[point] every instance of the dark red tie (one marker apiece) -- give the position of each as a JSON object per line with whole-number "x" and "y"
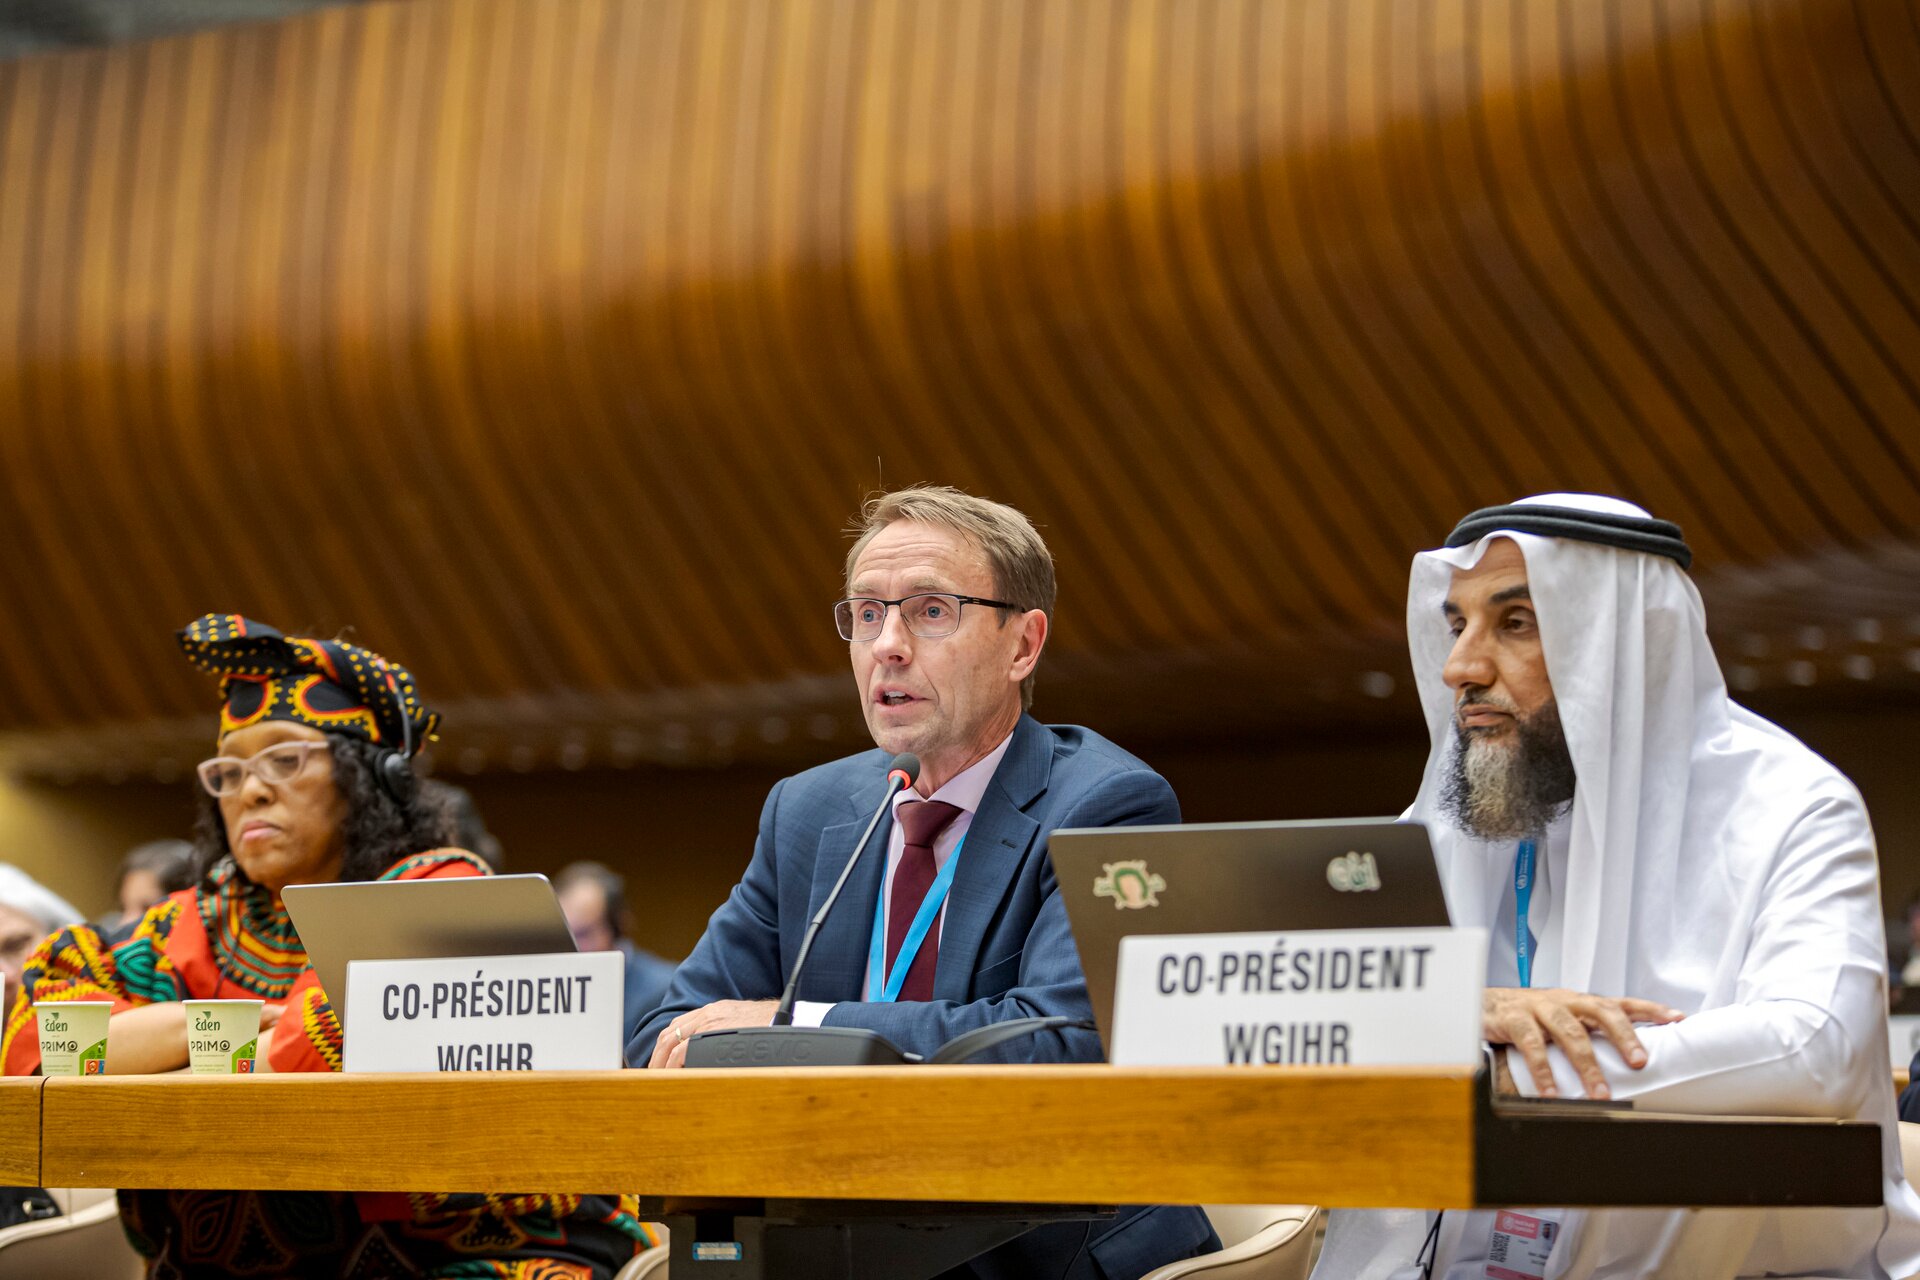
{"x": 921, "y": 821}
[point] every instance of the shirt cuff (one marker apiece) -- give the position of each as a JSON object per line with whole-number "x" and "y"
{"x": 810, "y": 1013}
{"x": 1565, "y": 1078}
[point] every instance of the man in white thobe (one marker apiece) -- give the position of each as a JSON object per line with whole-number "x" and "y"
{"x": 1683, "y": 899}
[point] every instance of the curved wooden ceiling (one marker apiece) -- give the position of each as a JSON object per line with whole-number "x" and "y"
{"x": 549, "y": 345}
{"x": 29, "y": 27}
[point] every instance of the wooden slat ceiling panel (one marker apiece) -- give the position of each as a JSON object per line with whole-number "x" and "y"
{"x": 549, "y": 344}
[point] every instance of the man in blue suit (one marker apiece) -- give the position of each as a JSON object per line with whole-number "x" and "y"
{"x": 960, "y": 924}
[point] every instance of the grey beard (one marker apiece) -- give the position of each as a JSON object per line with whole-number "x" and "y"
{"x": 1497, "y": 792}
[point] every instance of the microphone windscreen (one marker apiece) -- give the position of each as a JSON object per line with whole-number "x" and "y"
{"x": 908, "y": 764}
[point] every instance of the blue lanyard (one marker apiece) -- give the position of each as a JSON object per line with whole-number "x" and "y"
{"x": 1522, "y": 898}
{"x": 916, "y": 934}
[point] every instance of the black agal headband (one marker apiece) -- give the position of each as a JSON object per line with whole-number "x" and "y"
{"x": 1629, "y": 533}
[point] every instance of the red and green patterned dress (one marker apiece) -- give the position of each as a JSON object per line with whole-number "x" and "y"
{"x": 233, "y": 940}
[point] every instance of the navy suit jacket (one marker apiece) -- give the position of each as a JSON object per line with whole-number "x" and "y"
{"x": 647, "y": 979}
{"x": 1005, "y": 948}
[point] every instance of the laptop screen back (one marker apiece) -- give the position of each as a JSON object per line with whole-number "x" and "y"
{"x": 1238, "y": 877}
{"x": 423, "y": 920}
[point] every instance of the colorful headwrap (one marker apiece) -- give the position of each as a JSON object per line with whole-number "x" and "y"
{"x": 328, "y": 684}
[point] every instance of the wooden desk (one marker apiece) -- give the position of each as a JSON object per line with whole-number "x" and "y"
{"x": 20, "y": 1132}
{"x": 1044, "y": 1134}
{"x": 1416, "y": 1138}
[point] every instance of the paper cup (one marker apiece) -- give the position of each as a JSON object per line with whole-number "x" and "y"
{"x": 222, "y": 1036}
{"x": 73, "y": 1036}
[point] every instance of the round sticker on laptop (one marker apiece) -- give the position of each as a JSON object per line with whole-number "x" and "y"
{"x": 1129, "y": 884}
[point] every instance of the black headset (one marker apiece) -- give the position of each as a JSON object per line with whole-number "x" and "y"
{"x": 394, "y": 769}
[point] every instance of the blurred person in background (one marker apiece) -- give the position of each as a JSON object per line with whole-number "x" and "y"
{"x": 29, "y": 911}
{"x": 148, "y": 874}
{"x": 594, "y": 899}
{"x": 1908, "y": 945}
{"x": 1903, "y": 994}
{"x": 304, "y": 790}
{"x": 469, "y": 828}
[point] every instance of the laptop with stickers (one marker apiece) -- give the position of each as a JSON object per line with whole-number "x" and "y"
{"x": 1238, "y": 877}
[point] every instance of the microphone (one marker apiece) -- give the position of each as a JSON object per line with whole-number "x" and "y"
{"x": 902, "y": 773}
{"x": 783, "y": 1044}
{"x": 905, "y": 769}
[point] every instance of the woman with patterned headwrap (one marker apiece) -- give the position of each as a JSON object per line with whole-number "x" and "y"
{"x": 306, "y": 789}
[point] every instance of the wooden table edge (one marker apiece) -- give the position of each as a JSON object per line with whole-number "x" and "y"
{"x": 1083, "y": 1132}
{"x": 21, "y": 1143}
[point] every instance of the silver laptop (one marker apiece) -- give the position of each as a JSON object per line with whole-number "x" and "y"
{"x": 422, "y": 920}
{"x": 1238, "y": 877}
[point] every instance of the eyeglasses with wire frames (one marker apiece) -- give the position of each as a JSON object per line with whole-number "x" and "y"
{"x": 280, "y": 763}
{"x": 930, "y": 615}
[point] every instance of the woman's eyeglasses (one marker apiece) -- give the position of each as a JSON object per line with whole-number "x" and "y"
{"x": 225, "y": 775}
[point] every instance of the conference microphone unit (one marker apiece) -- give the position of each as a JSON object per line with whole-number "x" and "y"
{"x": 783, "y": 1044}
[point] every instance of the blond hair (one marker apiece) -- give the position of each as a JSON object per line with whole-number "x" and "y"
{"x": 1021, "y": 565}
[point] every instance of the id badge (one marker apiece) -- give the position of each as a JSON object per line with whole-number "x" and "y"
{"x": 1520, "y": 1244}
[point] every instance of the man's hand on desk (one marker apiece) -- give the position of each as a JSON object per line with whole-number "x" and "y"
{"x": 1530, "y": 1020}
{"x": 671, "y": 1048}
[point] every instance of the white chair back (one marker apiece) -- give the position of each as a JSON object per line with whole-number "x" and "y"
{"x": 651, "y": 1265}
{"x": 1258, "y": 1242}
{"x": 85, "y": 1240}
